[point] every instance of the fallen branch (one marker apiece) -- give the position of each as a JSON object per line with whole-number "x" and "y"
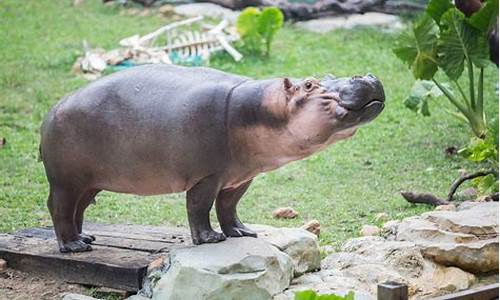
{"x": 425, "y": 198}
{"x": 463, "y": 179}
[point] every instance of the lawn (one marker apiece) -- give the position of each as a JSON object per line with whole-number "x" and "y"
{"x": 343, "y": 187}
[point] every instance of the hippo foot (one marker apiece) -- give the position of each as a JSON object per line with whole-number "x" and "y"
{"x": 239, "y": 231}
{"x": 208, "y": 237}
{"x": 87, "y": 238}
{"x": 75, "y": 246}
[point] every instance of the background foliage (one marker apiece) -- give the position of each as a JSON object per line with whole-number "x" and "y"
{"x": 343, "y": 187}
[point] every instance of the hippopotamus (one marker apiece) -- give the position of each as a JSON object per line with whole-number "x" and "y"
{"x": 161, "y": 129}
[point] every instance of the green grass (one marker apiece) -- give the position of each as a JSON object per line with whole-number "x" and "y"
{"x": 343, "y": 187}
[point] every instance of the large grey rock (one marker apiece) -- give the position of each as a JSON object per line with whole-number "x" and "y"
{"x": 368, "y": 261}
{"x": 242, "y": 268}
{"x": 480, "y": 220}
{"x": 477, "y": 257}
{"x": 301, "y": 245}
{"x": 210, "y": 10}
{"x": 421, "y": 230}
{"x": 369, "y": 19}
{"x": 467, "y": 238}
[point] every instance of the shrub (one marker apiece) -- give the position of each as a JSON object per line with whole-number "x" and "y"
{"x": 445, "y": 39}
{"x": 258, "y": 28}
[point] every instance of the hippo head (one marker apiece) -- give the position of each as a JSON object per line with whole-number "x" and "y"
{"x": 323, "y": 111}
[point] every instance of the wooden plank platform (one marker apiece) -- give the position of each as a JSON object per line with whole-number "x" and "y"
{"x": 120, "y": 257}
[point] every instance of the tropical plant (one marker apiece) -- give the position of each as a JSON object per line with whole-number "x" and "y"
{"x": 257, "y": 28}
{"x": 311, "y": 295}
{"x": 445, "y": 39}
{"x": 485, "y": 152}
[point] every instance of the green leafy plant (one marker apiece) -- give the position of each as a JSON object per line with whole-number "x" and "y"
{"x": 485, "y": 152}
{"x": 311, "y": 295}
{"x": 445, "y": 39}
{"x": 258, "y": 28}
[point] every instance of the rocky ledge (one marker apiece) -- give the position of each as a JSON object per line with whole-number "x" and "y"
{"x": 436, "y": 253}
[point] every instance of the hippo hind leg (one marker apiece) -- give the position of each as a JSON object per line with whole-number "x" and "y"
{"x": 83, "y": 203}
{"x": 62, "y": 204}
{"x": 227, "y": 200}
{"x": 200, "y": 200}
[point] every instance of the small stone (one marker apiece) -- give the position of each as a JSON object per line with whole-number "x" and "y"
{"x": 381, "y": 217}
{"x": 391, "y": 227}
{"x": 369, "y": 230}
{"x": 312, "y": 226}
{"x": 285, "y": 213}
{"x": 144, "y": 13}
{"x": 446, "y": 207}
{"x": 3, "y": 265}
{"x": 166, "y": 10}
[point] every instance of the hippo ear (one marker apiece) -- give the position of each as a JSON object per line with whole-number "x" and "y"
{"x": 287, "y": 84}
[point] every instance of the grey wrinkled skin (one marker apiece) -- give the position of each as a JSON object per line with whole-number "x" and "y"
{"x": 161, "y": 129}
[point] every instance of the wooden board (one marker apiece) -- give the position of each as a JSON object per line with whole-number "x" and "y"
{"x": 120, "y": 257}
{"x": 488, "y": 292}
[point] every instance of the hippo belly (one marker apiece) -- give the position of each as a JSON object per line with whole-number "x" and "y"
{"x": 149, "y": 130}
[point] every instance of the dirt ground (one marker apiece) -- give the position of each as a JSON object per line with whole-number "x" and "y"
{"x": 16, "y": 285}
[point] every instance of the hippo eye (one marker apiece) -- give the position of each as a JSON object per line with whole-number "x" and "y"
{"x": 308, "y": 85}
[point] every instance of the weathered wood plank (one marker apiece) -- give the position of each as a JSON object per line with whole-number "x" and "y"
{"x": 111, "y": 267}
{"x": 120, "y": 257}
{"x": 488, "y": 292}
{"x": 121, "y": 237}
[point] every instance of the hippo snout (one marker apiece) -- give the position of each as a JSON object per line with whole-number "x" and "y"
{"x": 360, "y": 98}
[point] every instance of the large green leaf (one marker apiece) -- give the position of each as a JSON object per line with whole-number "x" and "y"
{"x": 486, "y": 17}
{"x": 436, "y": 8}
{"x": 417, "y": 48}
{"x": 311, "y": 295}
{"x": 421, "y": 92}
{"x": 270, "y": 21}
{"x": 459, "y": 41}
{"x": 248, "y": 21}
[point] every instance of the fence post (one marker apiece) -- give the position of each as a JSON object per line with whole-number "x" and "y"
{"x": 391, "y": 290}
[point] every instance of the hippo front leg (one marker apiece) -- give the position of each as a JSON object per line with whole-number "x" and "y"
{"x": 200, "y": 199}
{"x": 227, "y": 200}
